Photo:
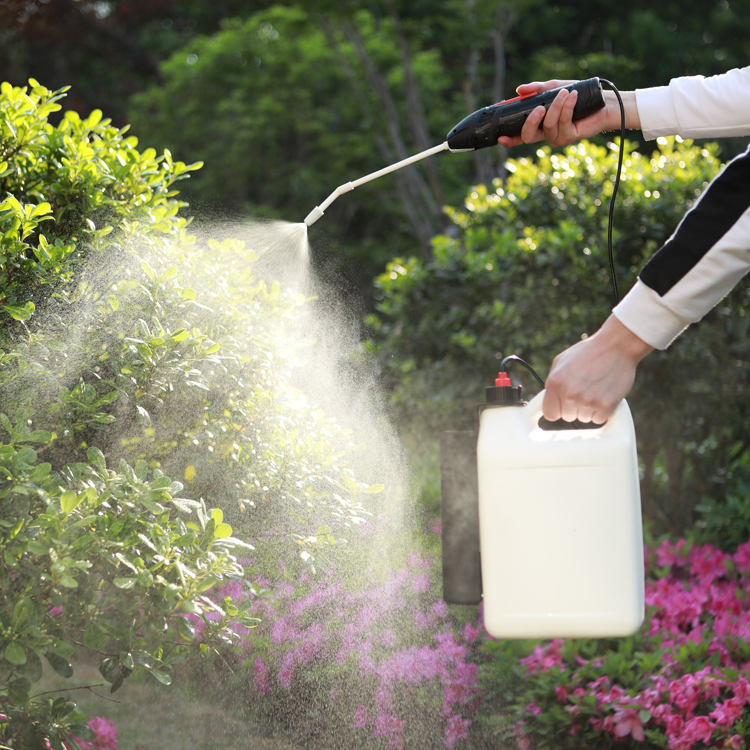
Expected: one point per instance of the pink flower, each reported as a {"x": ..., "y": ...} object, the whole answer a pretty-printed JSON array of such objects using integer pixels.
[
  {"x": 742, "y": 556},
  {"x": 524, "y": 743},
  {"x": 456, "y": 730},
  {"x": 698, "y": 728},
  {"x": 361, "y": 719},
  {"x": 735, "y": 742},
  {"x": 470, "y": 633},
  {"x": 532, "y": 708},
  {"x": 627, "y": 721},
  {"x": 726, "y": 713},
  {"x": 420, "y": 583},
  {"x": 105, "y": 735},
  {"x": 260, "y": 673},
  {"x": 669, "y": 554}
]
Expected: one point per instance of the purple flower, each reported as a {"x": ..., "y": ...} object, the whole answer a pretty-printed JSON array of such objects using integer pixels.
[
  {"x": 361, "y": 719},
  {"x": 420, "y": 583},
  {"x": 260, "y": 673},
  {"x": 456, "y": 730}
]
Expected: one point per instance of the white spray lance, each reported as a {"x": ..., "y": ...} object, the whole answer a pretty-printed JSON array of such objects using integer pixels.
[{"x": 481, "y": 129}]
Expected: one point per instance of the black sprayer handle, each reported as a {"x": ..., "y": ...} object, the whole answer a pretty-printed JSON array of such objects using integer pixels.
[{"x": 483, "y": 127}]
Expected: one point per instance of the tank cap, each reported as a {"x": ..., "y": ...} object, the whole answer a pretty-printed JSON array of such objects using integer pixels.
[
  {"x": 503, "y": 392},
  {"x": 502, "y": 379}
]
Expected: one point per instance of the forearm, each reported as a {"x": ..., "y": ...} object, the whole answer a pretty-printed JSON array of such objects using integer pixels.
[{"x": 630, "y": 105}]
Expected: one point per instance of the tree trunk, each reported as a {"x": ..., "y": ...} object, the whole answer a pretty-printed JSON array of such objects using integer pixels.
[
  {"x": 417, "y": 118},
  {"x": 499, "y": 33},
  {"x": 407, "y": 186},
  {"x": 482, "y": 158},
  {"x": 422, "y": 206}
]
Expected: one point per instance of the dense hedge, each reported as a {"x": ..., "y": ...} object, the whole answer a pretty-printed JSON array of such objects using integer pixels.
[{"x": 132, "y": 357}]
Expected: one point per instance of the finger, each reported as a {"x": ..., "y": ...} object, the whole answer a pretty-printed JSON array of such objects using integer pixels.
[
  {"x": 585, "y": 414},
  {"x": 566, "y": 130},
  {"x": 569, "y": 411},
  {"x": 551, "y": 123},
  {"x": 526, "y": 89},
  {"x": 510, "y": 141},
  {"x": 551, "y": 406},
  {"x": 530, "y": 133},
  {"x": 599, "y": 417},
  {"x": 536, "y": 87}
]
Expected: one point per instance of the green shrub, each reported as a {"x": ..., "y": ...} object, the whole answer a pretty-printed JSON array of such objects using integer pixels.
[
  {"x": 130, "y": 355},
  {"x": 526, "y": 272}
]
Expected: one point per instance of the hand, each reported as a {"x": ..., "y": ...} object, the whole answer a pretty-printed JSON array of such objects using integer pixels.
[
  {"x": 557, "y": 127},
  {"x": 589, "y": 380}
]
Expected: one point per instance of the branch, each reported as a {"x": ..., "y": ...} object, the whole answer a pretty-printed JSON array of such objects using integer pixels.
[
  {"x": 417, "y": 188},
  {"x": 417, "y": 117},
  {"x": 402, "y": 188}
]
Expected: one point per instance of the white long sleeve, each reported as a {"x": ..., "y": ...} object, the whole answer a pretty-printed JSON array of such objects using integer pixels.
[{"x": 709, "y": 251}]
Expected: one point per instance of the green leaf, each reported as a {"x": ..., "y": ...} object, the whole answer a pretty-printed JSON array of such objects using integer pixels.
[
  {"x": 222, "y": 531},
  {"x": 59, "y": 664},
  {"x": 162, "y": 677},
  {"x": 109, "y": 668},
  {"x": 20, "y": 313},
  {"x": 14, "y": 653},
  {"x": 22, "y": 611},
  {"x": 40, "y": 436},
  {"x": 93, "y": 637},
  {"x": 69, "y": 501},
  {"x": 32, "y": 670},
  {"x": 18, "y": 692},
  {"x": 96, "y": 457},
  {"x": 185, "y": 627},
  {"x": 373, "y": 489},
  {"x": 125, "y": 583},
  {"x": 207, "y": 583},
  {"x": 148, "y": 270},
  {"x": 83, "y": 732}
]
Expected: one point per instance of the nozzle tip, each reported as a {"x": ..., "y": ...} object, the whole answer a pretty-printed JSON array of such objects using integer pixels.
[{"x": 313, "y": 216}]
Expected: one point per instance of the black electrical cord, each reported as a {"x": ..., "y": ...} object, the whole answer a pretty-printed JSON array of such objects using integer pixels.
[
  {"x": 513, "y": 357},
  {"x": 617, "y": 185}
]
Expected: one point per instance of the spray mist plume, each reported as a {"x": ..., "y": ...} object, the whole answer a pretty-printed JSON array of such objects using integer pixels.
[{"x": 231, "y": 388}]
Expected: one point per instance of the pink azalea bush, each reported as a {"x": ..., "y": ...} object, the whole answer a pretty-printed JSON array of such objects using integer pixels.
[
  {"x": 387, "y": 657},
  {"x": 105, "y": 735},
  {"x": 681, "y": 683}
]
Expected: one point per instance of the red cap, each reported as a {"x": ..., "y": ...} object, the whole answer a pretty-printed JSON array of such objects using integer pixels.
[{"x": 502, "y": 379}]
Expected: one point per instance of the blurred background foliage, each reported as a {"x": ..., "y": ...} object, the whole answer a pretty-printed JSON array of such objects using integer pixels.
[{"x": 285, "y": 101}]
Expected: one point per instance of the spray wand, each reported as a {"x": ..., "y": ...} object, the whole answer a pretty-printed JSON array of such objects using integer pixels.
[{"x": 481, "y": 129}]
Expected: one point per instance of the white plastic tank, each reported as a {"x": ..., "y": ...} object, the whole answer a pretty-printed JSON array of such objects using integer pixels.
[{"x": 560, "y": 526}]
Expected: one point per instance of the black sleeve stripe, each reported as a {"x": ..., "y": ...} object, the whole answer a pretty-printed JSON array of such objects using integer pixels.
[{"x": 719, "y": 208}]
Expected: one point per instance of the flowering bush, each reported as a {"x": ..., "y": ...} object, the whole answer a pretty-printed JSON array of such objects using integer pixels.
[
  {"x": 105, "y": 735},
  {"x": 681, "y": 683},
  {"x": 381, "y": 659}
]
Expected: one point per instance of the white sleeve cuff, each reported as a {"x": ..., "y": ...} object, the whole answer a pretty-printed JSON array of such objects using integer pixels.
[
  {"x": 697, "y": 107},
  {"x": 644, "y": 313},
  {"x": 656, "y": 112}
]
